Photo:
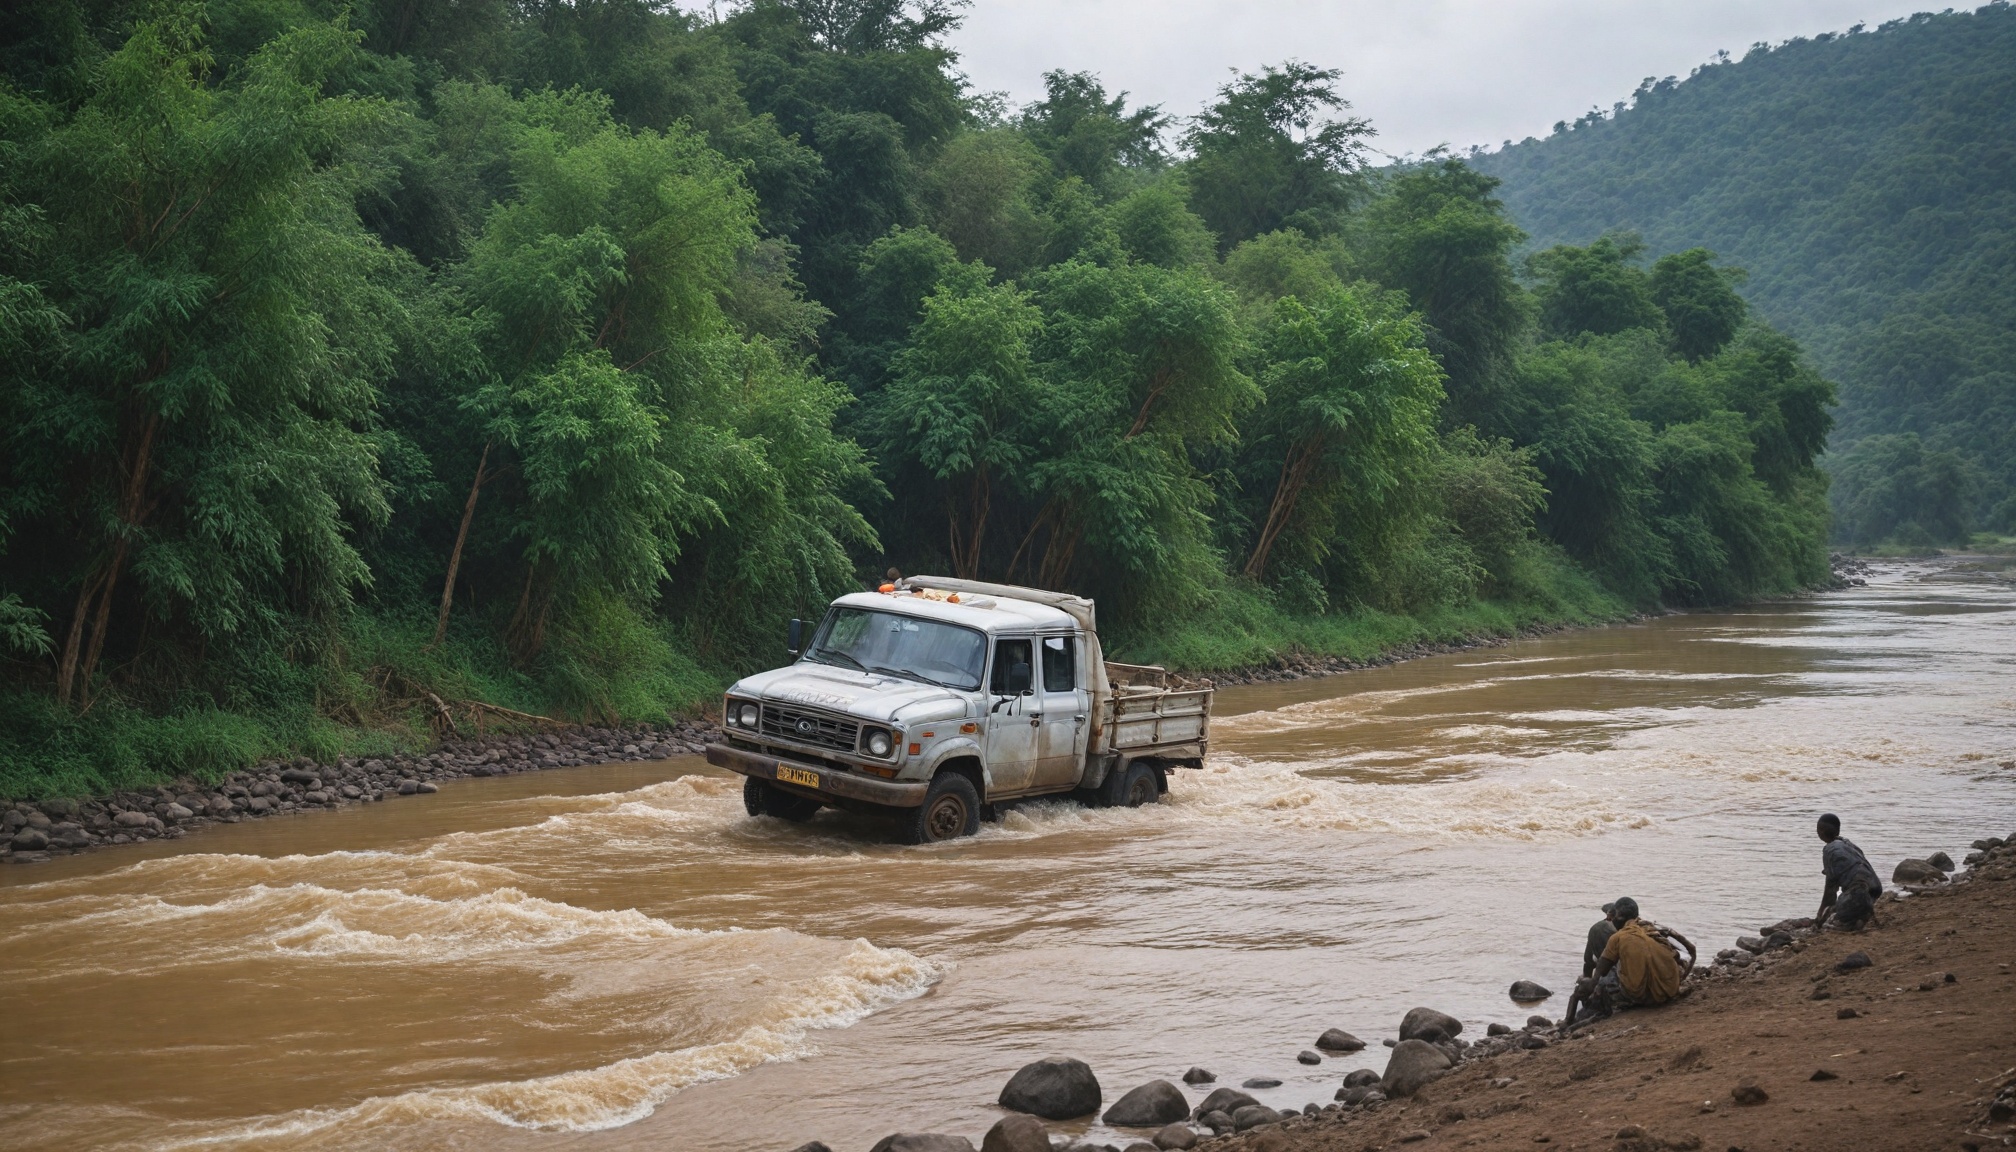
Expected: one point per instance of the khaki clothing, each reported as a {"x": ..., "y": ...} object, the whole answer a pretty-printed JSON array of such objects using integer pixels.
[{"x": 1647, "y": 970}]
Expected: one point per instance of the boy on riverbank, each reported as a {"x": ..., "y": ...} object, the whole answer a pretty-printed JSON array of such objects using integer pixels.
[
  {"x": 1852, "y": 885},
  {"x": 1638, "y": 968}
]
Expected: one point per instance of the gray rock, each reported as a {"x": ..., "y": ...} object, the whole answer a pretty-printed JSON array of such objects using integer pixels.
[
  {"x": 1219, "y": 1122},
  {"x": 219, "y": 805},
  {"x": 1532, "y": 1040},
  {"x": 1261, "y": 1082},
  {"x": 408, "y": 786},
  {"x": 1198, "y": 1076},
  {"x": 29, "y": 840},
  {"x": 1361, "y": 1078},
  {"x": 1055, "y": 1089},
  {"x": 429, "y": 786},
  {"x": 1777, "y": 940},
  {"x": 1539, "y": 1022},
  {"x": 1338, "y": 1040},
  {"x": 1174, "y": 1138},
  {"x": 1152, "y": 1105},
  {"x": 1419, "y": 1020},
  {"x": 1527, "y": 992},
  {"x": 1852, "y": 961},
  {"x": 1941, "y": 861},
  {"x": 1414, "y": 1064},
  {"x": 1226, "y": 1100},
  {"x": 814, "y": 1146},
  {"x": 1016, "y": 1134},
  {"x": 131, "y": 819},
  {"x": 260, "y": 804},
  {"x": 39, "y": 821},
  {"x": 178, "y": 812},
  {"x": 1307, "y": 1057},
  {"x": 1389, "y": 1042},
  {"x": 1916, "y": 872},
  {"x": 1750, "y": 943},
  {"x": 1253, "y": 1116},
  {"x": 1497, "y": 1029},
  {"x": 922, "y": 1142}
]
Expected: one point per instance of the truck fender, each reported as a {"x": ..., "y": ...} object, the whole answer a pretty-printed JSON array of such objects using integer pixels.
[
  {"x": 1097, "y": 768},
  {"x": 962, "y": 749}
]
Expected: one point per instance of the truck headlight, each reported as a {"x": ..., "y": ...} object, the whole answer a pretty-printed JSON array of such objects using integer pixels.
[
  {"x": 879, "y": 743},
  {"x": 746, "y": 715}
]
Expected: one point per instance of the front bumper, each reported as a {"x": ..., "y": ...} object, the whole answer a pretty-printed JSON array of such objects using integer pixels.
[{"x": 844, "y": 785}]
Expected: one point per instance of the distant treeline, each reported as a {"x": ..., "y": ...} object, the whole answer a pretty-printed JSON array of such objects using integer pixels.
[
  {"x": 1867, "y": 180},
  {"x": 559, "y": 352}
]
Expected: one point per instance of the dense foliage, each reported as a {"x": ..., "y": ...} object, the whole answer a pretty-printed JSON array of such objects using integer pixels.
[
  {"x": 555, "y": 354},
  {"x": 1867, "y": 181}
]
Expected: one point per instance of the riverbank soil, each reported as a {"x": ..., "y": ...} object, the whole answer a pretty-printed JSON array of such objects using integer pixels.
[{"x": 1907, "y": 1054}]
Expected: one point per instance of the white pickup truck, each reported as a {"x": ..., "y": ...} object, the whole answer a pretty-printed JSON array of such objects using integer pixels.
[{"x": 934, "y": 699}]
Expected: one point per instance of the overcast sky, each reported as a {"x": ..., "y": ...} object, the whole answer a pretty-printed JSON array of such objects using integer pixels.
[{"x": 1425, "y": 72}]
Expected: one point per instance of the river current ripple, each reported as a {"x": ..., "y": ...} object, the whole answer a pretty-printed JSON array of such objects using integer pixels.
[{"x": 617, "y": 957}]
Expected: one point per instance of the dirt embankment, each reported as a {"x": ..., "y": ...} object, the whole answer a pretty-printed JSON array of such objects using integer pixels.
[{"x": 1916, "y": 1050}]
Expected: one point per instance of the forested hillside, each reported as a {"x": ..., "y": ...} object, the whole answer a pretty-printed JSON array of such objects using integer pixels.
[
  {"x": 553, "y": 355},
  {"x": 1867, "y": 182}
]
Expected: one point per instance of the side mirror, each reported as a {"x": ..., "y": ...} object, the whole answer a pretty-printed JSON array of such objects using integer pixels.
[
  {"x": 1018, "y": 679},
  {"x": 795, "y": 643}
]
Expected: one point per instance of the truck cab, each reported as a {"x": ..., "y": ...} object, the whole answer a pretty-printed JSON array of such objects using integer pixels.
[{"x": 934, "y": 699}]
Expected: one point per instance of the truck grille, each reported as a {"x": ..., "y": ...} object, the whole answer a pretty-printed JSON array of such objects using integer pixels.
[{"x": 804, "y": 727}]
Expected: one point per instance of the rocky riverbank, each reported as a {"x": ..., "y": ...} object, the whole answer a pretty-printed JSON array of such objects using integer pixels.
[
  {"x": 34, "y": 832},
  {"x": 1895, "y": 1038}
]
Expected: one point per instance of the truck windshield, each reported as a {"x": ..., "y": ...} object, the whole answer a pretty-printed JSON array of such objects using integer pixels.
[{"x": 873, "y": 641}]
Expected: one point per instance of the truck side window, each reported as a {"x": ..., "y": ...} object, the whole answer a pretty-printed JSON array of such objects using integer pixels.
[
  {"x": 1007, "y": 654},
  {"x": 1060, "y": 666}
]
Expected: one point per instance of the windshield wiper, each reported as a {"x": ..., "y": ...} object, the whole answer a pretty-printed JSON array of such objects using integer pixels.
[
  {"x": 903, "y": 672},
  {"x": 842, "y": 655}
]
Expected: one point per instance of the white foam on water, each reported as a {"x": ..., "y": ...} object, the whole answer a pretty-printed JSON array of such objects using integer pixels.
[{"x": 624, "y": 1091}]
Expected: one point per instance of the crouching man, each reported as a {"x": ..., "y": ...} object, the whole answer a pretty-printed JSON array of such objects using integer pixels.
[{"x": 1640, "y": 967}]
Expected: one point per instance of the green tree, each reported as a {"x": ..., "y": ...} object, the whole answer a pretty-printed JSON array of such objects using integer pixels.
[
  {"x": 1086, "y": 134},
  {"x": 192, "y": 452},
  {"x": 1596, "y": 290},
  {"x": 1263, "y": 158},
  {"x": 1703, "y": 311},
  {"x": 962, "y": 403},
  {"x": 1351, "y": 401},
  {"x": 1439, "y": 233}
]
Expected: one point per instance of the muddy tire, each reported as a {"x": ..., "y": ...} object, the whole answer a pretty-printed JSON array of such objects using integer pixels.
[
  {"x": 761, "y": 798},
  {"x": 951, "y": 809},
  {"x": 1138, "y": 786}
]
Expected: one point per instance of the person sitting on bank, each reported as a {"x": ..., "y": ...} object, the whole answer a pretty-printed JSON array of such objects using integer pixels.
[
  {"x": 1639, "y": 967},
  {"x": 1852, "y": 886},
  {"x": 1599, "y": 935}
]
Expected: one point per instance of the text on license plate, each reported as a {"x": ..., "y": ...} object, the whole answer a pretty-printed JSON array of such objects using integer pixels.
[{"x": 797, "y": 776}]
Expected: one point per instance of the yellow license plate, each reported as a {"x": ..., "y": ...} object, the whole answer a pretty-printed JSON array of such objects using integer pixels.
[{"x": 797, "y": 776}]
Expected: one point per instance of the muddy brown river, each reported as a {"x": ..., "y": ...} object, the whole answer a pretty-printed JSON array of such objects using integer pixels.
[{"x": 618, "y": 958}]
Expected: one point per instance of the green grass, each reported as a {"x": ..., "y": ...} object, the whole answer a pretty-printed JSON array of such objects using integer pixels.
[
  {"x": 610, "y": 664},
  {"x": 363, "y": 696},
  {"x": 1245, "y": 627}
]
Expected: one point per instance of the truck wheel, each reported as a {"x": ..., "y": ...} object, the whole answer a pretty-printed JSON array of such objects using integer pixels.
[
  {"x": 1134, "y": 787},
  {"x": 951, "y": 809},
  {"x": 761, "y": 798}
]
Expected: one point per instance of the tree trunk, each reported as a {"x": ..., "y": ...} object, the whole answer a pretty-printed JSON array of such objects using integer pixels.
[
  {"x": 1288, "y": 490},
  {"x": 1062, "y": 551},
  {"x": 73, "y": 680},
  {"x": 455, "y": 556},
  {"x": 966, "y": 552},
  {"x": 1148, "y": 405}
]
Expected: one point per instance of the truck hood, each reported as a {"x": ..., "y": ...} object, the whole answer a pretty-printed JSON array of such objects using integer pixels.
[{"x": 864, "y": 695}]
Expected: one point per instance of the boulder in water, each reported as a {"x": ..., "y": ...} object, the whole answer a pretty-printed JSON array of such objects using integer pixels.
[
  {"x": 1307, "y": 1057},
  {"x": 1361, "y": 1078},
  {"x": 922, "y": 1142},
  {"x": 1941, "y": 861},
  {"x": 1254, "y": 1115},
  {"x": 1152, "y": 1105},
  {"x": 1176, "y": 1138},
  {"x": 1527, "y": 992},
  {"x": 1419, "y": 1021},
  {"x": 1058, "y": 1088},
  {"x": 1016, "y": 1133},
  {"x": 1338, "y": 1040},
  {"x": 1261, "y": 1082},
  {"x": 1226, "y": 1100},
  {"x": 1414, "y": 1064},
  {"x": 1917, "y": 872},
  {"x": 1198, "y": 1076}
]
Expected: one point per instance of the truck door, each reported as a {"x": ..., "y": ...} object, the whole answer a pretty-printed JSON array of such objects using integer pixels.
[
  {"x": 1062, "y": 700},
  {"x": 1012, "y": 732}
]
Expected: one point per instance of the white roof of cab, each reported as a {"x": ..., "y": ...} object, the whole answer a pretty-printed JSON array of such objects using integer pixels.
[{"x": 1006, "y": 615}]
